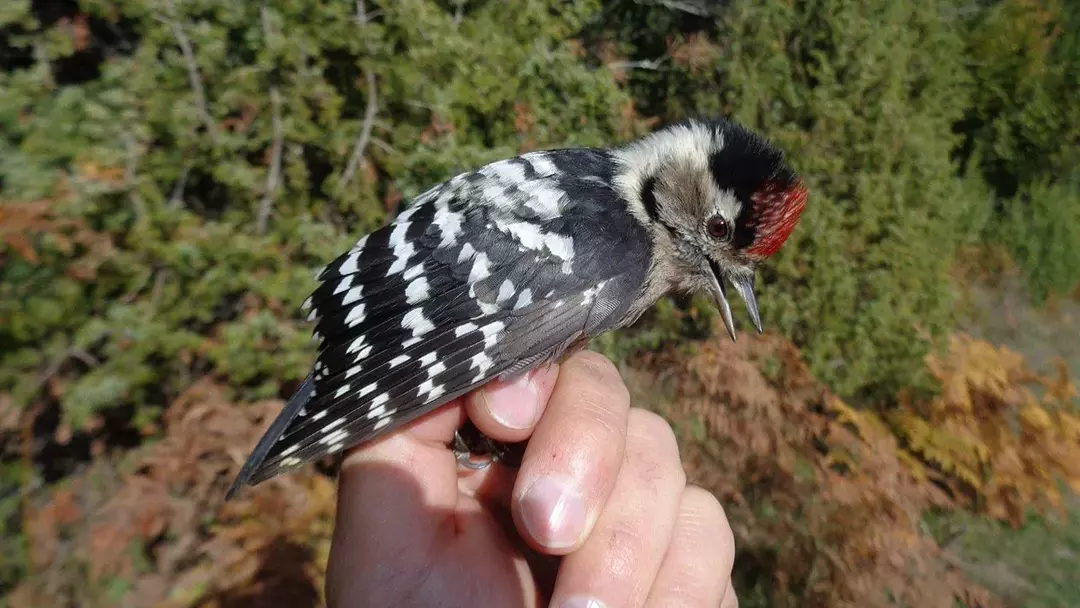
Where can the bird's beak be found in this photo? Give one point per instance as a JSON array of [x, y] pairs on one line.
[[744, 284]]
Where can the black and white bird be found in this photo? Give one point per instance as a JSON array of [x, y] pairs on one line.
[[520, 263]]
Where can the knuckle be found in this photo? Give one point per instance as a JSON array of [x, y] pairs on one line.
[[599, 369], [703, 508], [651, 440]]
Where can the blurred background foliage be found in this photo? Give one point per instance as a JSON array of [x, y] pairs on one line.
[[174, 172]]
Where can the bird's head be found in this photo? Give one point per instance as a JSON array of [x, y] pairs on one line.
[[719, 200]]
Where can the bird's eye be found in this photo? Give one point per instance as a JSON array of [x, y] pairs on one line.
[[718, 228]]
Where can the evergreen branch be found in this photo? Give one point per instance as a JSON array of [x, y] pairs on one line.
[[176, 199], [273, 176], [365, 132], [130, 167], [193, 70]]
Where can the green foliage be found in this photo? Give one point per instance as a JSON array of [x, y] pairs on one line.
[[1041, 226], [166, 156], [863, 95], [1022, 134]]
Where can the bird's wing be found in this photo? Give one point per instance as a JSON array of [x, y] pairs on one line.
[[484, 276]]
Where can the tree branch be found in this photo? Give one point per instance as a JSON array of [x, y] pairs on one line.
[[176, 199], [273, 176], [645, 64], [699, 9], [365, 132], [130, 167], [193, 70]]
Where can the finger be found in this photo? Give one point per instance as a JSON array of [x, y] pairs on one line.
[[394, 496], [696, 570], [507, 410], [618, 562], [572, 460], [730, 599]]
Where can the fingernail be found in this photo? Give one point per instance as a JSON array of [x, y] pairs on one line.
[[514, 403], [579, 601], [553, 512]]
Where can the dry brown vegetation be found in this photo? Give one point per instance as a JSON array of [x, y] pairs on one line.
[[826, 500], [825, 507], [152, 530]]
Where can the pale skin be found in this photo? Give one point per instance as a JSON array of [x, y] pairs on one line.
[[599, 515]]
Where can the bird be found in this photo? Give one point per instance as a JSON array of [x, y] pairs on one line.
[[522, 262]]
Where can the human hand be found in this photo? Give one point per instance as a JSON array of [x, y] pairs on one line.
[[598, 515]]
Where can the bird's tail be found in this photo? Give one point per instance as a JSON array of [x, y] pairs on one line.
[[279, 426]]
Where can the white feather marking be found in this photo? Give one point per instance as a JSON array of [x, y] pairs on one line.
[[318, 416], [413, 272], [466, 254], [417, 291], [356, 344], [410, 342], [334, 424], [397, 236], [449, 223], [341, 391], [541, 163], [461, 330], [524, 299], [426, 386], [416, 321], [492, 328], [436, 369], [382, 423], [352, 295], [307, 304], [487, 308], [291, 449], [355, 316], [506, 291], [343, 284], [481, 361], [427, 359], [334, 437], [436, 392], [480, 269], [367, 389], [376, 412], [505, 170], [359, 244], [543, 198], [398, 360], [290, 461], [495, 194], [531, 237], [402, 253], [349, 265], [491, 333]]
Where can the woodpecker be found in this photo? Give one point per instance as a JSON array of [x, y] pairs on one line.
[[520, 263]]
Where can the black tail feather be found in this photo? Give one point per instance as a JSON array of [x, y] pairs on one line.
[[276, 430]]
